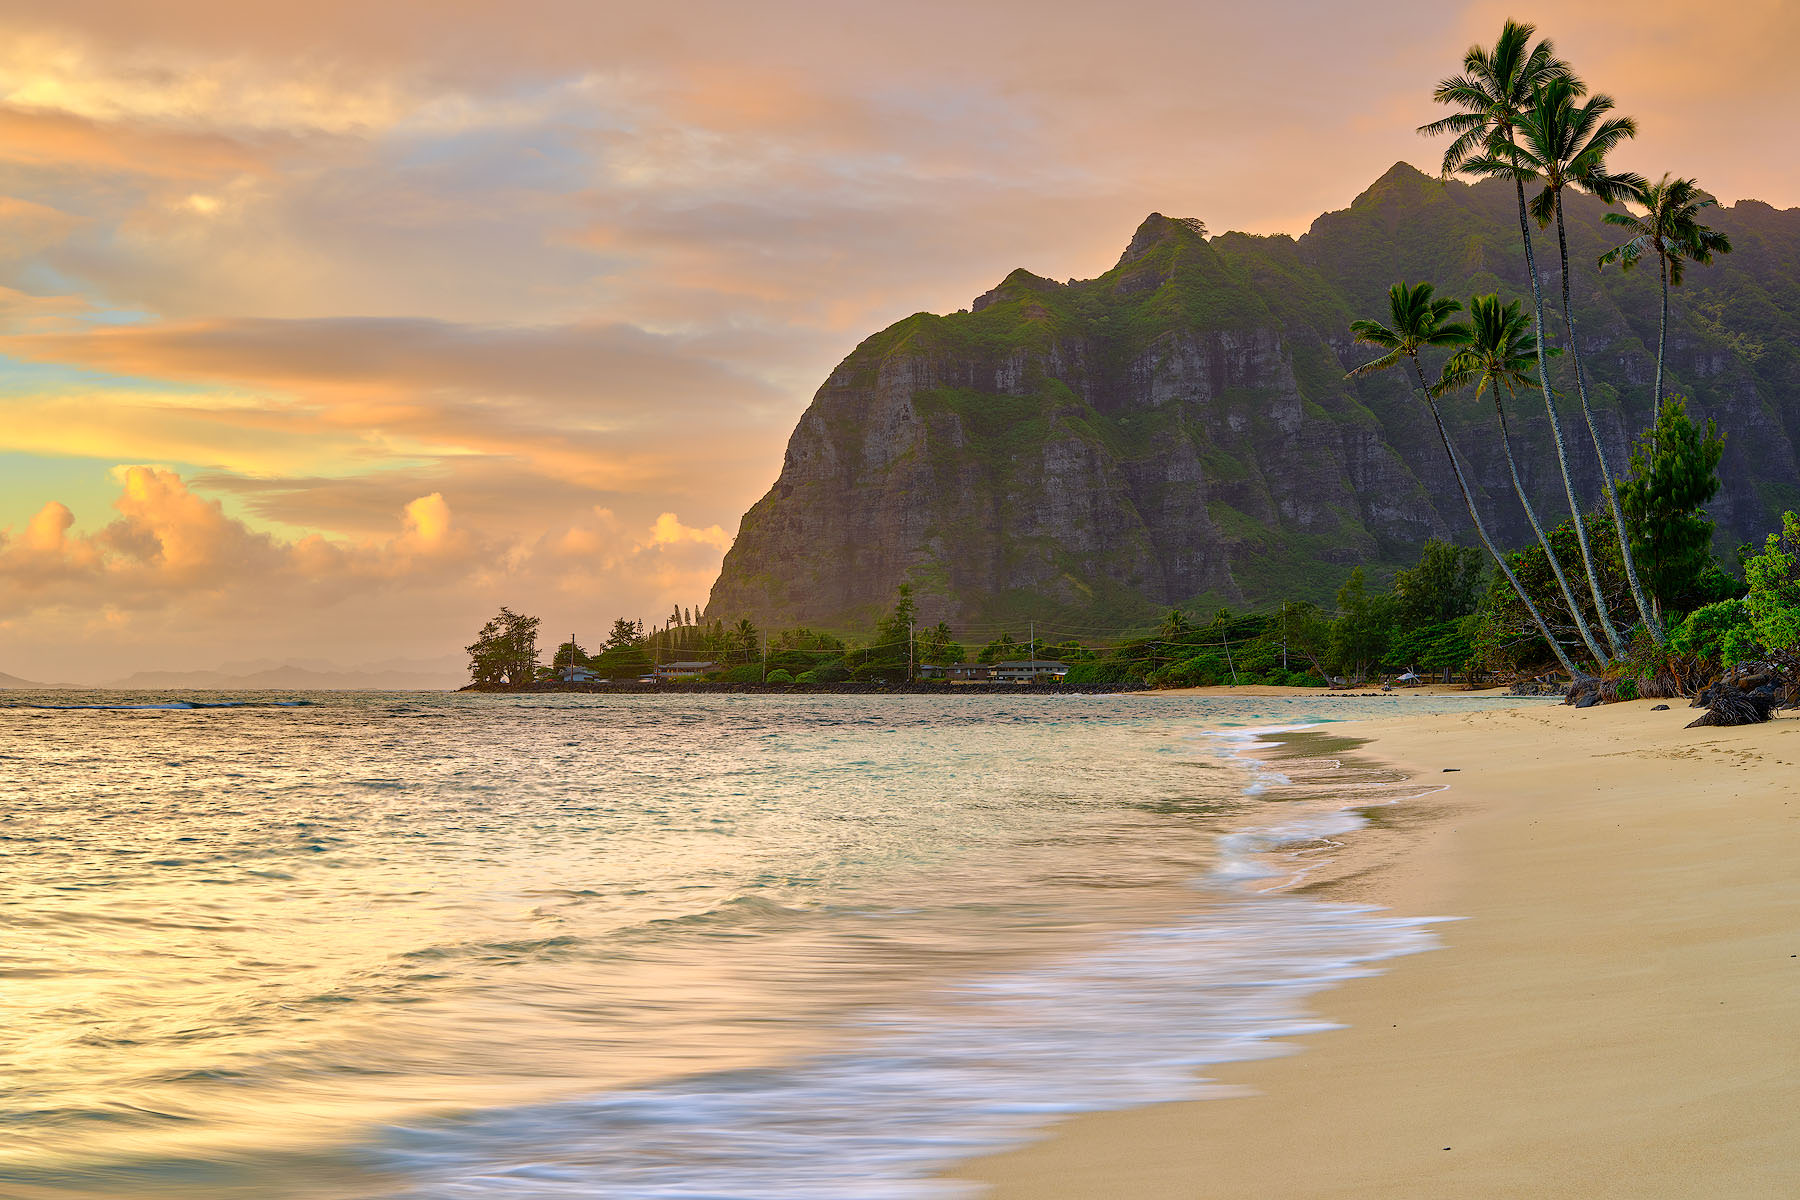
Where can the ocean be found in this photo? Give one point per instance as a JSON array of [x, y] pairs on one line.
[[442, 946]]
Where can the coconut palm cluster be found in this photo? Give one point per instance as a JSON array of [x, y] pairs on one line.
[[1523, 114]]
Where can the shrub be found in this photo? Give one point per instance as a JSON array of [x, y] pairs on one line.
[[1113, 671], [830, 672], [1774, 578], [744, 673], [1202, 670], [807, 677], [779, 676], [1718, 633]]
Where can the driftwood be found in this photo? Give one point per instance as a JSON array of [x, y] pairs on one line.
[[1726, 704]]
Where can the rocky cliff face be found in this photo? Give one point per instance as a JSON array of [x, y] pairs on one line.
[[1180, 431]]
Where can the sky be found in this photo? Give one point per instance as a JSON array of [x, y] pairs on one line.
[[328, 328]]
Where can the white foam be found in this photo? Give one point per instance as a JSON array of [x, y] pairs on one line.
[[1130, 1024]]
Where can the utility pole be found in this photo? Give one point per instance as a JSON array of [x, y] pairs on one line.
[[1284, 665], [1032, 668], [912, 640], [1228, 661], [765, 656]]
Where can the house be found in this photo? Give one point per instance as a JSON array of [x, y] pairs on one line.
[[1029, 670], [959, 672], [666, 672], [575, 673]]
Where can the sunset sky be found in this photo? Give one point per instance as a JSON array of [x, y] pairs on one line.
[[329, 327]]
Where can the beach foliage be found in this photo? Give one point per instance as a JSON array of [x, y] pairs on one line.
[[1773, 601], [1674, 474], [504, 653]]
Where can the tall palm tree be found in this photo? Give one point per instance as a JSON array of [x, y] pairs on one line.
[[1563, 142], [1501, 356], [1496, 92], [1420, 321], [1670, 229]]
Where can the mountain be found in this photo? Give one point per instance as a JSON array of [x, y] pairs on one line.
[[1180, 431], [394, 675], [15, 683]]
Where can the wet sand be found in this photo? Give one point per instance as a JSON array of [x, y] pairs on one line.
[[1617, 1015]]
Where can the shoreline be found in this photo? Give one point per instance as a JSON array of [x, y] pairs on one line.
[[1612, 1016]]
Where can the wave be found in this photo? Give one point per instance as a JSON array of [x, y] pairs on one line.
[[982, 1065]]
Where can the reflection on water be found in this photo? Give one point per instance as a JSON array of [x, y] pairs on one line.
[[480, 945]]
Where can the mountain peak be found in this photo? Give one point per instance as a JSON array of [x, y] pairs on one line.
[[1158, 231], [1401, 179]]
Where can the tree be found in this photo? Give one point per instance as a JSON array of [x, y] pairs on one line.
[[1363, 629], [1446, 584], [748, 639], [1563, 143], [1496, 93], [1001, 649], [894, 634], [1674, 471], [569, 654], [1500, 354], [1774, 599], [625, 632], [504, 653], [938, 645], [1670, 229], [1420, 321], [1306, 631]]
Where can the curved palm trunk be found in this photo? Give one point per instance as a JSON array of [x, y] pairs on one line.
[[1606, 475], [1562, 656], [1662, 338], [1556, 436], [1562, 581]]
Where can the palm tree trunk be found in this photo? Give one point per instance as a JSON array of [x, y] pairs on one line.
[[1481, 532], [1556, 435], [1562, 581], [1606, 475], [1662, 339]]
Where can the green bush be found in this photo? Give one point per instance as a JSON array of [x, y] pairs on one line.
[[807, 677], [834, 671], [1112, 671], [743, 673], [1773, 603], [1202, 670], [880, 673], [796, 661], [779, 676], [1718, 633]]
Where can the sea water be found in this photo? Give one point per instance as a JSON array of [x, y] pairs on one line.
[[435, 946]]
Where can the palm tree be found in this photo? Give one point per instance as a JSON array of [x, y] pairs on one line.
[[1500, 355], [1670, 229], [1496, 92], [1563, 142], [1420, 321]]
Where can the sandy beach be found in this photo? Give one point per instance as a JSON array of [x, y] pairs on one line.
[[1617, 1013]]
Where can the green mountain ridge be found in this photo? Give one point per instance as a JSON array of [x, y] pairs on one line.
[[1180, 431]]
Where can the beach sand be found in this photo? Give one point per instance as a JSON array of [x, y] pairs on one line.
[[1617, 1016]]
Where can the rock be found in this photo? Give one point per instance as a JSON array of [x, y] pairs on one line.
[[1729, 706], [1182, 427], [1587, 699], [1659, 708]]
